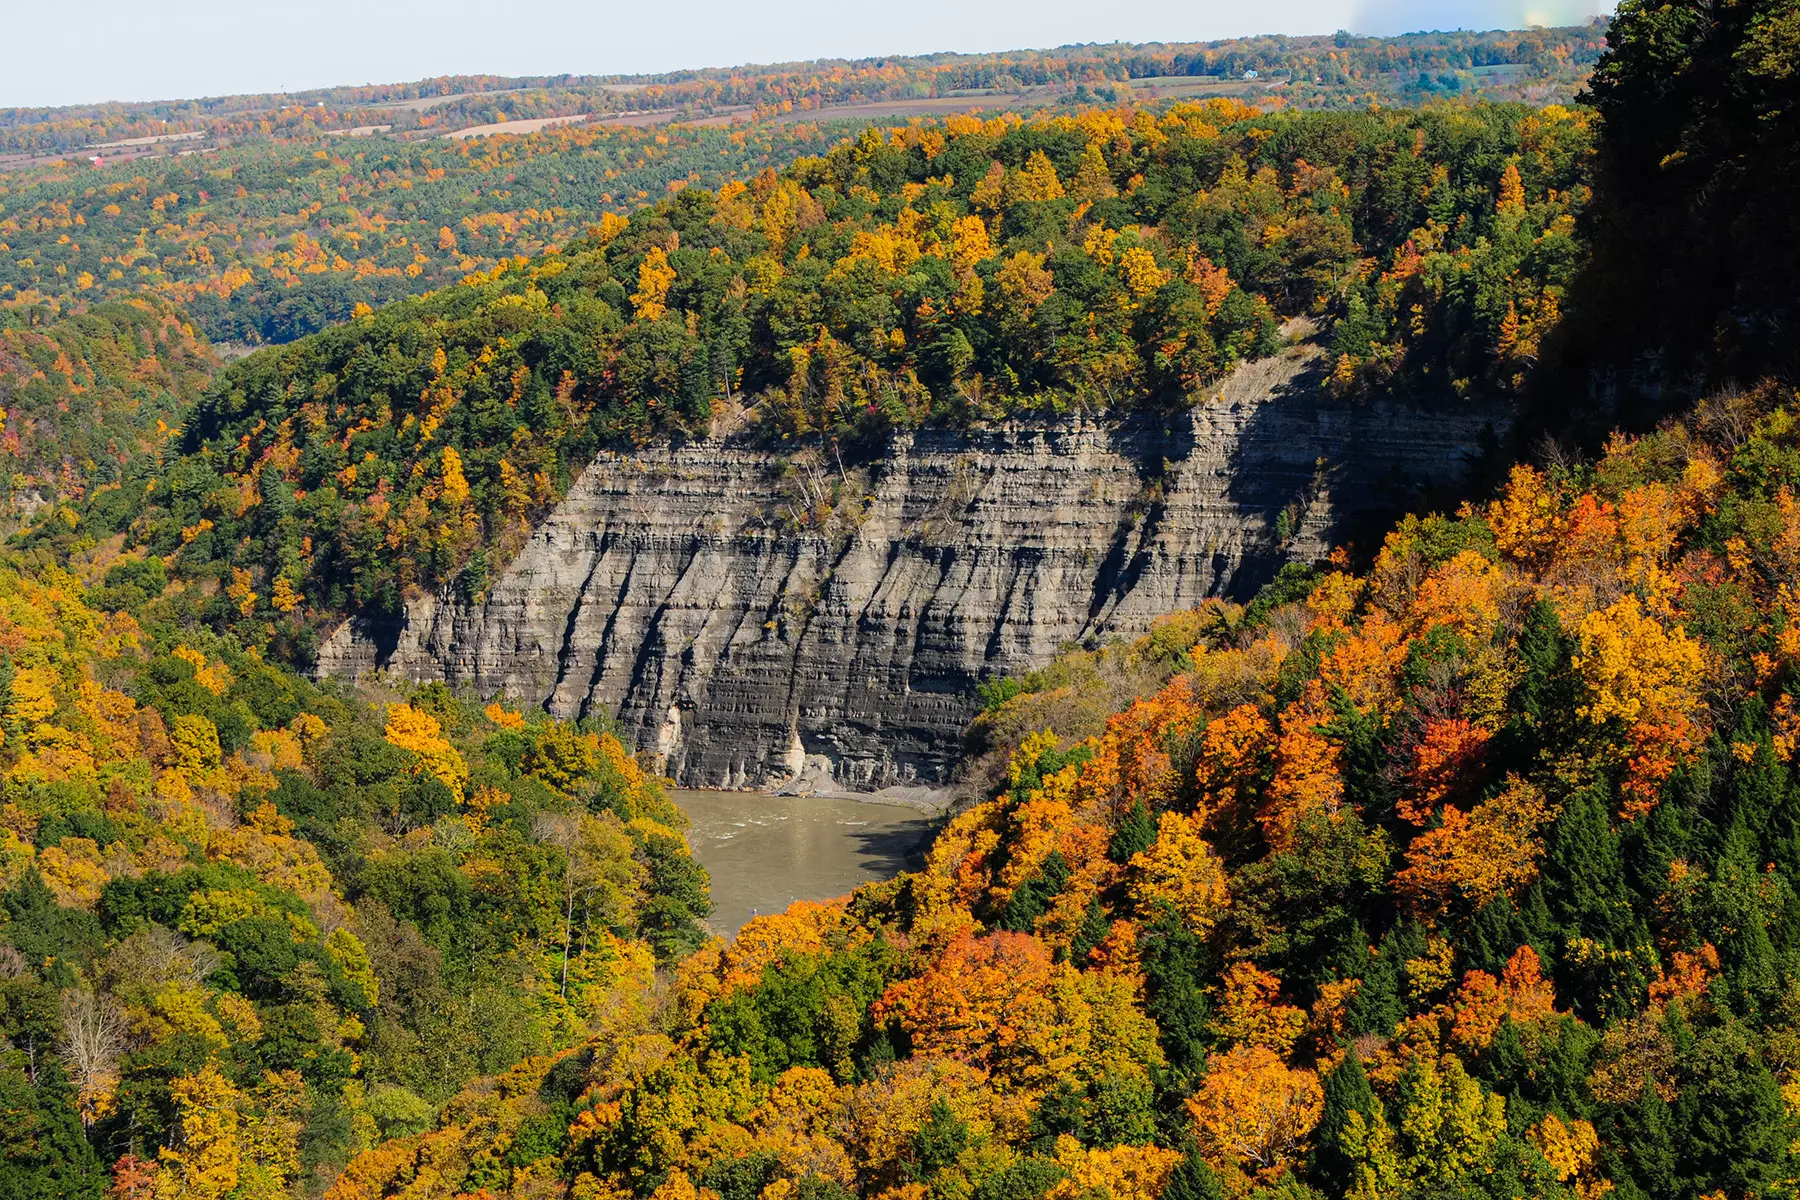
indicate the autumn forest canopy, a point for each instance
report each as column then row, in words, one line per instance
column 1462, row 863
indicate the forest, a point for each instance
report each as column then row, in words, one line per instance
column 84, row 396
column 1320, row 70
column 275, row 224
column 252, row 926
column 271, row 241
column 1464, row 863
column 938, row 273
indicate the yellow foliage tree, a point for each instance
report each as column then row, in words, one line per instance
column 1527, row 519
column 1180, row 870
column 1037, row 180
column 34, row 695
column 1573, row 1150
column 419, row 732
column 1236, row 754
column 1633, row 667
column 1512, row 192
column 1251, row 1013
column 74, row 872
column 997, row 1002
column 1142, row 275
column 650, row 301
column 1093, row 179
column 1121, row 1172
column 195, row 742
column 1306, row 781
column 203, row 1162
column 1480, row 855
column 1448, row 1125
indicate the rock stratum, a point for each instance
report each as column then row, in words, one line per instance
column 696, row 590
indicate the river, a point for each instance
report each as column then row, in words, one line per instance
column 765, row 852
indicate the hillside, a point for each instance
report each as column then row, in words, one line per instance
column 1472, row 875
column 936, row 274
column 1336, row 69
column 87, row 394
column 270, row 217
column 271, row 240
column 1460, row 861
column 248, row 928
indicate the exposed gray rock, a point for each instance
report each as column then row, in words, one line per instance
column 684, row 588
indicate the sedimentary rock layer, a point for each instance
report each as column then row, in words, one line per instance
column 685, row 588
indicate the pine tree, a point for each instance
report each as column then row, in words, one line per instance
column 1651, row 844
column 1377, row 1008
column 1033, row 898
column 1731, row 1127
column 1496, row 932
column 43, row 1154
column 1640, row 1146
column 1063, row 1110
column 937, row 1143
column 1759, row 786
column 1584, row 873
column 1736, row 915
column 1192, row 1179
column 1544, row 698
column 1093, row 931
column 1134, row 833
column 1583, row 877
column 1177, row 969
column 1352, row 1130
column 9, row 723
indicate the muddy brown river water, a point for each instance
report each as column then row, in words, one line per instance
column 765, row 852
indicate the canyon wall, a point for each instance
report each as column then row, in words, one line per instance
column 743, row 630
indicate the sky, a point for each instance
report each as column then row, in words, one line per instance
column 87, row 51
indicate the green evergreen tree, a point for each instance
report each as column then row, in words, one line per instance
column 1732, row 1130
column 1093, row 931
column 1135, row 833
column 1640, row 1145
column 1063, row 1110
column 1735, row 913
column 1178, row 969
column 9, row 723
column 1336, row 1147
column 1377, row 1005
column 938, row 1142
column 43, row 1152
column 1544, row 699
column 1192, row 1179
column 1584, row 888
column 1033, row 898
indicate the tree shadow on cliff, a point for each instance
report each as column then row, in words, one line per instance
column 1310, row 469
column 1158, row 442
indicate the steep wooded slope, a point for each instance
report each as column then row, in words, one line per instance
column 1470, row 876
column 248, row 927
column 929, row 276
column 748, row 614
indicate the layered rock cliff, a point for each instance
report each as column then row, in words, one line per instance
column 739, row 625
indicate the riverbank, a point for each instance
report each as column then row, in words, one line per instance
column 928, row 800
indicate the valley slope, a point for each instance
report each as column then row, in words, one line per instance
column 675, row 588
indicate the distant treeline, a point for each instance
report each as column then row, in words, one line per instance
column 1338, row 68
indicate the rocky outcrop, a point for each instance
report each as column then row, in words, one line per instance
column 697, row 592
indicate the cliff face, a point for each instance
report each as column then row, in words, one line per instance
column 688, row 589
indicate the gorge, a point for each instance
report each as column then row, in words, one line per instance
column 747, row 632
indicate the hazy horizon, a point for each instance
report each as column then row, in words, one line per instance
column 198, row 48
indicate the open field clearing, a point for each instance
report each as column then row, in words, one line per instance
column 531, row 125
